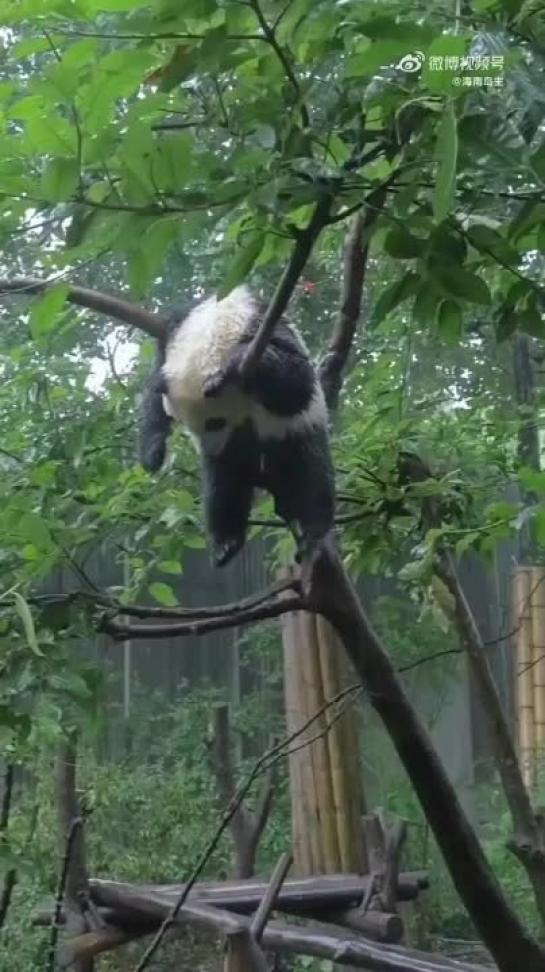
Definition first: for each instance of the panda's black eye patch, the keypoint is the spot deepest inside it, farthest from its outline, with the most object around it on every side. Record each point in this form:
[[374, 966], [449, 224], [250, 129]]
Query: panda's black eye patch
[[214, 424]]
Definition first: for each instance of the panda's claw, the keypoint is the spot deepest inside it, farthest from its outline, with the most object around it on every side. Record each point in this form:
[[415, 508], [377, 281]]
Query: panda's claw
[[224, 552]]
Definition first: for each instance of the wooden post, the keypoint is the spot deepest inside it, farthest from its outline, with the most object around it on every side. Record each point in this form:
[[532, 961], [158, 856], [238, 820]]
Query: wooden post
[[523, 673], [326, 783], [537, 581]]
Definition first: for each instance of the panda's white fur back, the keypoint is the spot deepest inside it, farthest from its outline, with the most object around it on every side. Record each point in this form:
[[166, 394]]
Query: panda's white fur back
[[199, 348]]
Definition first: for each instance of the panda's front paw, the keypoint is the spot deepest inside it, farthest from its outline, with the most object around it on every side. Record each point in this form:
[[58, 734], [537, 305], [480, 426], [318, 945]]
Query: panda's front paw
[[224, 551], [213, 386]]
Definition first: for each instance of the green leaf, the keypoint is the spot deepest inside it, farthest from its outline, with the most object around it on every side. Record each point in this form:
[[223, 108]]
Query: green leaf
[[446, 153], [163, 593], [449, 321], [43, 316], [461, 283], [392, 297], [242, 264], [489, 241], [25, 615], [170, 567], [402, 245], [436, 75], [60, 180], [372, 57], [447, 244]]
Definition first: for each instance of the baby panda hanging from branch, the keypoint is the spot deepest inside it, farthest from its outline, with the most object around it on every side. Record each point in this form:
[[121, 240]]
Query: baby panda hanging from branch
[[267, 429]]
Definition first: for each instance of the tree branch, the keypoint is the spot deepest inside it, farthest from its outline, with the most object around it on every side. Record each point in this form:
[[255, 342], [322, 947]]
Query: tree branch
[[116, 307], [304, 244], [330, 593], [356, 253], [269, 35], [120, 631]]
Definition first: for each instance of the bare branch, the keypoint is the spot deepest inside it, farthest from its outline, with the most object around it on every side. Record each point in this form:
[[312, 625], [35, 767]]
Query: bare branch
[[165, 35], [116, 307], [269, 35], [356, 253], [304, 244], [120, 631]]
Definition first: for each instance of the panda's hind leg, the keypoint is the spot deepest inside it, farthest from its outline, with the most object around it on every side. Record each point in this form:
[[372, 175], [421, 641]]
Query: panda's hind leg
[[228, 493], [299, 474]]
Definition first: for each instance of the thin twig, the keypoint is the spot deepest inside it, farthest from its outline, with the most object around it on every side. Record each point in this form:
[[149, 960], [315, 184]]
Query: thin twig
[[270, 36]]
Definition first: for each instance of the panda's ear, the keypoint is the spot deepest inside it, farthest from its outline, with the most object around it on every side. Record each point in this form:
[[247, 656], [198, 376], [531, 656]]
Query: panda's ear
[[154, 424]]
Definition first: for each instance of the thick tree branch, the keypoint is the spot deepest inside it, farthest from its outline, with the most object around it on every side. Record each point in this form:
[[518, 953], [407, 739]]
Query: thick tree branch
[[331, 594], [116, 307]]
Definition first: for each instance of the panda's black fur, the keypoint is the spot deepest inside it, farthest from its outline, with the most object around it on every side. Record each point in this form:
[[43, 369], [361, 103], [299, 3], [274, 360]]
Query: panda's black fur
[[265, 432]]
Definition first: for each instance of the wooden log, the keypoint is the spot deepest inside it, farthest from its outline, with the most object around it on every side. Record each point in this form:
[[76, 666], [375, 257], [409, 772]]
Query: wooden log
[[377, 925], [319, 941], [268, 900], [299, 896], [243, 954]]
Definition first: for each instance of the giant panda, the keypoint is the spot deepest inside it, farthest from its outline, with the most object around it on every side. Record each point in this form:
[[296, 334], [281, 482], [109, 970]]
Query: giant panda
[[269, 431]]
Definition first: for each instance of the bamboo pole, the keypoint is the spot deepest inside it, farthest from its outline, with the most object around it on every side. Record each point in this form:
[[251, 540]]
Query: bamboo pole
[[318, 751], [523, 672], [294, 718], [325, 778], [537, 580], [343, 755]]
